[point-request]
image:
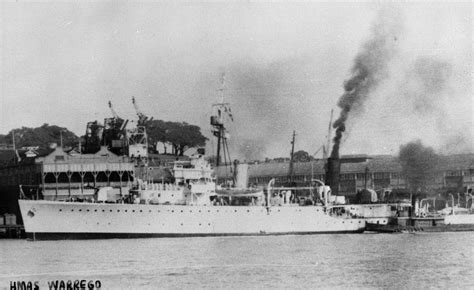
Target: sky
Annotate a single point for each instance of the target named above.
(285, 65)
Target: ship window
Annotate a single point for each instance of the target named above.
(126, 210)
(209, 224)
(118, 210)
(248, 210)
(72, 209)
(103, 210)
(110, 210)
(172, 211)
(80, 209)
(181, 223)
(87, 210)
(141, 211)
(133, 210)
(181, 211)
(235, 210)
(95, 210)
(149, 210)
(60, 210)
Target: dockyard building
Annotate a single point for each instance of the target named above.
(453, 172)
(56, 174)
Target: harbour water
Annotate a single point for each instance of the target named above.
(419, 260)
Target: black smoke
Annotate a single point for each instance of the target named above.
(369, 69)
(419, 165)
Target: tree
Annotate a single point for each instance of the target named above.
(180, 135)
(156, 131)
(41, 136)
(302, 156)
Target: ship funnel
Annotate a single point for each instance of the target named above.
(241, 175)
(332, 174)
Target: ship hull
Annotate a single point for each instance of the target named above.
(49, 220)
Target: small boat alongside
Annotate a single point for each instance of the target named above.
(425, 218)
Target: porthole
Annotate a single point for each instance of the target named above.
(126, 210)
(141, 211)
(181, 210)
(110, 210)
(149, 210)
(80, 209)
(95, 210)
(72, 209)
(103, 210)
(133, 210)
(60, 210)
(118, 210)
(87, 210)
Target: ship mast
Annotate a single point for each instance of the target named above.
(291, 171)
(221, 112)
(326, 150)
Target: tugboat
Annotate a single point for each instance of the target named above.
(426, 218)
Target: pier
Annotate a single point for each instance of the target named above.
(12, 232)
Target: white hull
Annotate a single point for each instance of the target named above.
(461, 219)
(378, 213)
(63, 220)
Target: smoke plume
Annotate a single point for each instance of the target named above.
(419, 165)
(427, 90)
(369, 69)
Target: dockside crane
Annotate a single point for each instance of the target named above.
(142, 118)
(114, 132)
(137, 138)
